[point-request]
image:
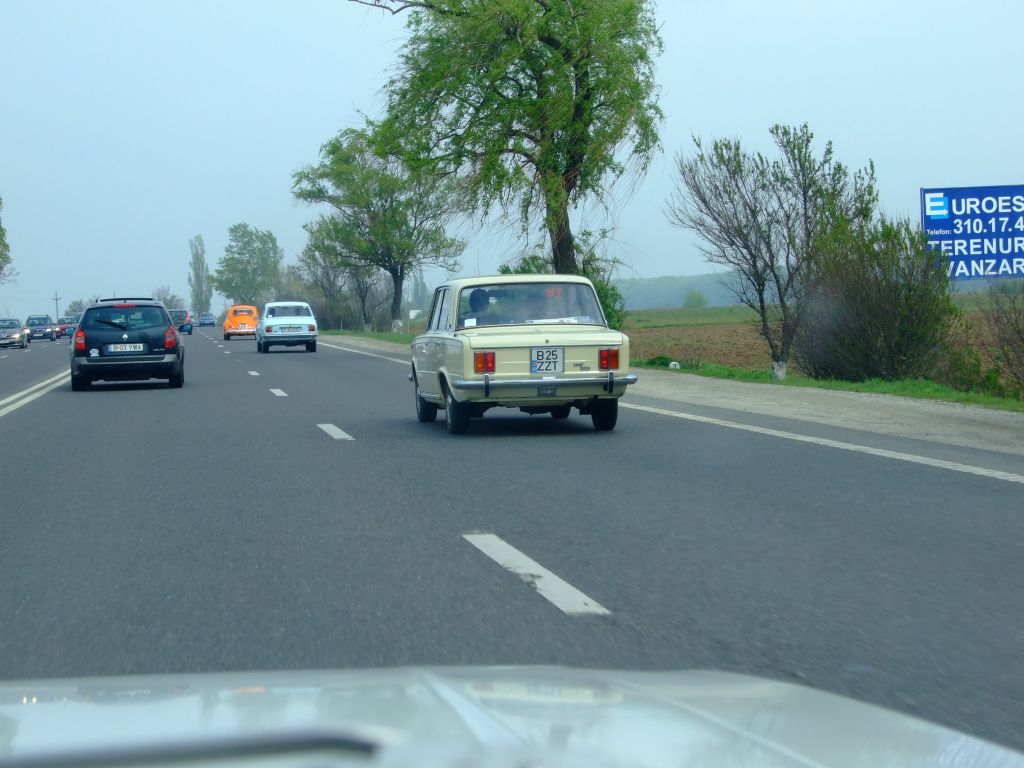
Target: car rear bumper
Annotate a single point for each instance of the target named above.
(287, 339)
(241, 332)
(106, 369)
(551, 386)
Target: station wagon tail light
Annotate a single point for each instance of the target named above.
(80, 340)
(268, 329)
(483, 362)
(170, 337)
(608, 359)
(312, 328)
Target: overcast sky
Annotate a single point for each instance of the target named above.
(128, 127)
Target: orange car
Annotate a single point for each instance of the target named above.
(241, 320)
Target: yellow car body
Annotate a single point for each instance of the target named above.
(539, 343)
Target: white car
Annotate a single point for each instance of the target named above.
(286, 324)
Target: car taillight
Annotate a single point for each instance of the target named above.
(483, 362)
(268, 329)
(170, 337)
(80, 340)
(608, 359)
(312, 329)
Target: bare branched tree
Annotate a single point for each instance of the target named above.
(761, 218)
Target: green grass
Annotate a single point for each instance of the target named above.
(394, 338)
(668, 318)
(919, 388)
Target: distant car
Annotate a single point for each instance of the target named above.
(286, 324)
(240, 320)
(12, 333)
(126, 340)
(182, 319)
(539, 343)
(64, 324)
(41, 327)
(207, 318)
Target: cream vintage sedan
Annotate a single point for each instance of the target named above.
(539, 343)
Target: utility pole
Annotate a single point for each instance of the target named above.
(56, 305)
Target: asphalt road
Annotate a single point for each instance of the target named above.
(218, 527)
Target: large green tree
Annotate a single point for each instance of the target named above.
(200, 285)
(250, 269)
(535, 104)
(385, 214)
(6, 273)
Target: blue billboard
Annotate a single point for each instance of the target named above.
(979, 229)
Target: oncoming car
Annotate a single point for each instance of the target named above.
(12, 334)
(539, 343)
(286, 324)
(41, 327)
(240, 320)
(126, 340)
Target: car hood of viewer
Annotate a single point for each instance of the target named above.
(531, 715)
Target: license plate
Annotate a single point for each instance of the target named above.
(125, 347)
(290, 328)
(244, 325)
(546, 359)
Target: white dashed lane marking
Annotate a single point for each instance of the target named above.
(254, 373)
(561, 593)
(279, 392)
(333, 431)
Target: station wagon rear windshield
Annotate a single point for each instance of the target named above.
(125, 318)
(529, 304)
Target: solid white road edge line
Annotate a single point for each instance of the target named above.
(333, 431)
(58, 377)
(563, 595)
(279, 392)
(881, 452)
(363, 352)
(26, 400)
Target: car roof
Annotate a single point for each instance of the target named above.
(463, 282)
(285, 303)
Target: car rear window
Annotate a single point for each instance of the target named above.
(242, 312)
(125, 318)
(289, 310)
(529, 303)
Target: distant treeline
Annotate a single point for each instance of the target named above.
(672, 290)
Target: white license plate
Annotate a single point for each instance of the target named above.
(243, 326)
(125, 347)
(290, 328)
(547, 359)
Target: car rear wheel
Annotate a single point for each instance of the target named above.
(604, 414)
(425, 412)
(561, 411)
(311, 346)
(177, 381)
(456, 415)
(227, 337)
(79, 383)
